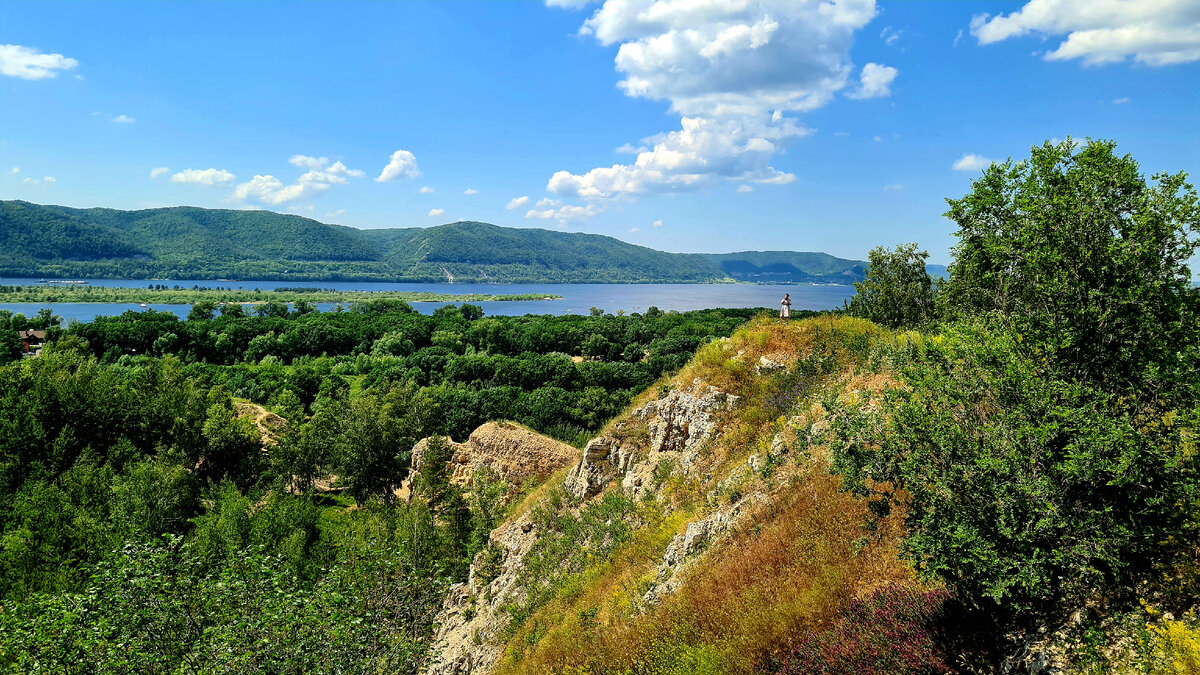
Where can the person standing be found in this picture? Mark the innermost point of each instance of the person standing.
(785, 306)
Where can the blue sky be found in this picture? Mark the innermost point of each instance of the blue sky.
(684, 125)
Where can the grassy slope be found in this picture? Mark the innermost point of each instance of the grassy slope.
(787, 570)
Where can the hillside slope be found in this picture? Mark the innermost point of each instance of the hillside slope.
(700, 533)
(194, 243)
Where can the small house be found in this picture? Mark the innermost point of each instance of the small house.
(32, 340)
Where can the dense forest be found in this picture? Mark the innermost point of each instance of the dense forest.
(195, 243)
(145, 525)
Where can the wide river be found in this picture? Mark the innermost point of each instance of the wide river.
(576, 298)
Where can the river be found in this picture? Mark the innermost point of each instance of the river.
(576, 298)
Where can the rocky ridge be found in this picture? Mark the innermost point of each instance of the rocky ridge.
(673, 432)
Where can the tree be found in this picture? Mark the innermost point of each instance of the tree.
(1084, 258)
(897, 291)
(202, 311)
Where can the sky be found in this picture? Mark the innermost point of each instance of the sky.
(683, 125)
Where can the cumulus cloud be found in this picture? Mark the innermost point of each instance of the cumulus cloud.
(517, 202)
(15, 170)
(159, 171)
(657, 223)
(401, 166)
(745, 188)
(701, 152)
(875, 81)
(552, 209)
(426, 190)
(629, 149)
(972, 162)
(732, 70)
(321, 175)
(1153, 32)
(436, 212)
(470, 191)
(31, 64)
(123, 119)
(201, 176)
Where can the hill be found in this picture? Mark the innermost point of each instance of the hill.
(194, 243)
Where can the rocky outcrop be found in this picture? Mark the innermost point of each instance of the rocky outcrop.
(678, 424)
(516, 454)
(467, 639)
(674, 428)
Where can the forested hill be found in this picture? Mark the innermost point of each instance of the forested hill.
(194, 243)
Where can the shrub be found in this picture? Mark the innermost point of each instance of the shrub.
(893, 631)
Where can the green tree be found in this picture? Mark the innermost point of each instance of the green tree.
(897, 291)
(1085, 258)
(202, 311)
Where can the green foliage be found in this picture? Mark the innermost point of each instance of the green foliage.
(897, 291)
(186, 242)
(1030, 491)
(1087, 259)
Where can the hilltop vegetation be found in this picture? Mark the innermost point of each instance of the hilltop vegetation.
(193, 243)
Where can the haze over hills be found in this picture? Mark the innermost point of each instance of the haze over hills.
(194, 243)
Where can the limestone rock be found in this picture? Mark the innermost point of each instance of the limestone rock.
(515, 453)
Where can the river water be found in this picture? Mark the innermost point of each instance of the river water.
(576, 298)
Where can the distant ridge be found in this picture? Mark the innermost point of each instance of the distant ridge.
(186, 242)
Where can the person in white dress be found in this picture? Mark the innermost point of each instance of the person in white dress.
(785, 306)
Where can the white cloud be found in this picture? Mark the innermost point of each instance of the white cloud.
(15, 170)
(841, 134)
(306, 162)
(1119, 101)
(30, 64)
(335, 214)
(159, 171)
(657, 223)
(635, 229)
(321, 175)
(1153, 32)
(436, 212)
(701, 152)
(879, 139)
(470, 191)
(403, 165)
(563, 214)
(890, 35)
(426, 190)
(732, 70)
(123, 119)
(893, 187)
(875, 81)
(517, 202)
(547, 202)
(971, 162)
(569, 4)
(629, 149)
(49, 179)
(202, 176)
(745, 188)
(31, 180)
(958, 38)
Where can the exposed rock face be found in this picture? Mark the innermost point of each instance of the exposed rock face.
(515, 453)
(678, 423)
(467, 640)
(470, 625)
